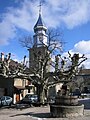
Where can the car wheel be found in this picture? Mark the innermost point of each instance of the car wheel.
(10, 104)
(0, 105)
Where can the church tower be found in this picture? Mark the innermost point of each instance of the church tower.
(40, 37)
(39, 49)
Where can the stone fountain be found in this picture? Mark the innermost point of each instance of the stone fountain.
(66, 105)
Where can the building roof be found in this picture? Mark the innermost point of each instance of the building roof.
(19, 87)
(39, 23)
(84, 72)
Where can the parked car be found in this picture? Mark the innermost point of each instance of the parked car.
(85, 95)
(77, 92)
(30, 99)
(5, 100)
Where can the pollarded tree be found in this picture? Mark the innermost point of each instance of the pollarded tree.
(41, 74)
(64, 73)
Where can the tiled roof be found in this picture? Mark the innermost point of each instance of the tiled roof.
(13, 65)
(84, 72)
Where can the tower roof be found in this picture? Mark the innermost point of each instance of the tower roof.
(39, 23)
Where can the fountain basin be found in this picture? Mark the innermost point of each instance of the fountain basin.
(66, 100)
(66, 111)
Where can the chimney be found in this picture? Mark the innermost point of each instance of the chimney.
(2, 56)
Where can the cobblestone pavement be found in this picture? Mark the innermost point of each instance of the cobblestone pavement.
(35, 113)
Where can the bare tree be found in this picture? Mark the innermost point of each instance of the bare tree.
(26, 41)
(54, 38)
(41, 76)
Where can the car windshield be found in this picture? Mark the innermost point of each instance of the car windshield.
(27, 96)
(30, 96)
(3, 98)
(34, 96)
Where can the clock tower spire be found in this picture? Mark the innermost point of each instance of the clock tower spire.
(40, 36)
(39, 50)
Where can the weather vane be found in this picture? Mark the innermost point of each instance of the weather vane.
(40, 5)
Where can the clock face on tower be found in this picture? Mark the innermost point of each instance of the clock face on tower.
(40, 38)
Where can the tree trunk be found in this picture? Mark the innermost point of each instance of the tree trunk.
(42, 94)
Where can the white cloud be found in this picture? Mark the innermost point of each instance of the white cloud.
(68, 12)
(7, 32)
(21, 17)
(77, 13)
(81, 47)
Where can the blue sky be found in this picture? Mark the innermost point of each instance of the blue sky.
(18, 17)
